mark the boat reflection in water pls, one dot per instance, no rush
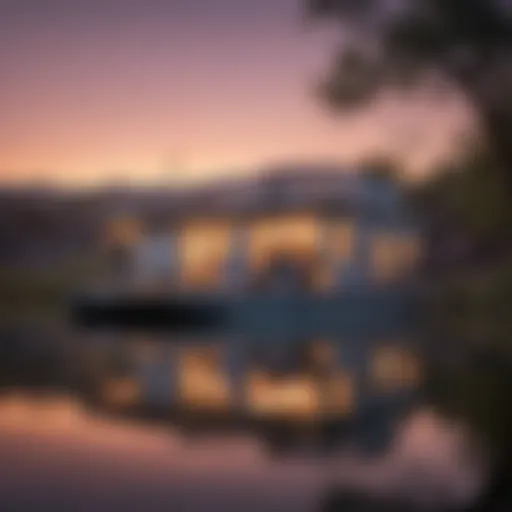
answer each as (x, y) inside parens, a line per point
(294, 306)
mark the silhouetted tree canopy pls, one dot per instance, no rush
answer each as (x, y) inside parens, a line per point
(406, 43)
(469, 193)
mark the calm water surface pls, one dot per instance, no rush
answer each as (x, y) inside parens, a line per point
(56, 455)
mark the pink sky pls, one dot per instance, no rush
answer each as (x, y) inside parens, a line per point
(98, 91)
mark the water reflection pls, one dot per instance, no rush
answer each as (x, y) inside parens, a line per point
(55, 438)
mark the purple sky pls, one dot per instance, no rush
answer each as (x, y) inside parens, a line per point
(145, 89)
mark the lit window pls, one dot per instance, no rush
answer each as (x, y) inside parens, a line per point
(204, 248)
(412, 248)
(323, 277)
(341, 239)
(121, 392)
(125, 231)
(290, 234)
(394, 368)
(202, 380)
(339, 394)
(296, 397)
(393, 256)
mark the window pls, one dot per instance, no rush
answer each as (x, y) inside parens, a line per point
(125, 231)
(290, 234)
(203, 382)
(411, 248)
(294, 396)
(341, 239)
(394, 367)
(393, 256)
(204, 248)
(339, 394)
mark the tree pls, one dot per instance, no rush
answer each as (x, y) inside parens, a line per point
(471, 195)
(405, 43)
(467, 45)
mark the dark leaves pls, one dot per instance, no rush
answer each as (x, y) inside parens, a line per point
(415, 36)
(354, 80)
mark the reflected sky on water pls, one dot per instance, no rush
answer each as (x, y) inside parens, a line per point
(54, 454)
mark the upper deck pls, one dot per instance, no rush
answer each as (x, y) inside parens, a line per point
(323, 233)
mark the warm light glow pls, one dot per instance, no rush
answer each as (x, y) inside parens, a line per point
(86, 95)
(412, 249)
(393, 256)
(122, 392)
(395, 368)
(299, 234)
(293, 397)
(339, 394)
(202, 380)
(125, 231)
(341, 239)
(204, 248)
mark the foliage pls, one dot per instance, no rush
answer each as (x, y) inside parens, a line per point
(476, 391)
(471, 194)
(475, 308)
(41, 294)
(402, 44)
(471, 304)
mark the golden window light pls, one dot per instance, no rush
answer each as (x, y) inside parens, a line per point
(204, 249)
(122, 392)
(339, 394)
(394, 368)
(126, 231)
(393, 256)
(341, 238)
(202, 380)
(296, 397)
(293, 234)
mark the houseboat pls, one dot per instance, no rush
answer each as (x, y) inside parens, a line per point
(286, 300)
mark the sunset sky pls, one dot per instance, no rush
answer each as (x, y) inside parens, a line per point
(94, 91)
